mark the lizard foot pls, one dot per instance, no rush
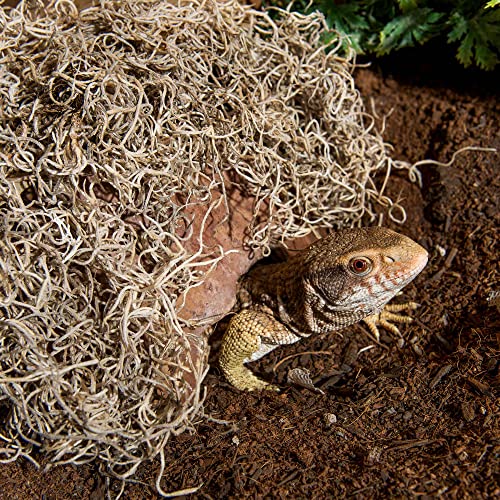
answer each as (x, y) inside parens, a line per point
(243, 342)
(245, 380)
(385, 318)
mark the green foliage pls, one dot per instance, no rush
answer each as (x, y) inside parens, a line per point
(417, 25)
(479, 38)
(381, 26)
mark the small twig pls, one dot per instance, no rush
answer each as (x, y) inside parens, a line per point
(291, 356)
(447, 264)
(407, 445)
(444, 370)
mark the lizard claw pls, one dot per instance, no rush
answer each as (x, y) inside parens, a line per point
(386, 316)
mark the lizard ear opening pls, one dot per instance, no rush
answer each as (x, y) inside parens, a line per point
(328, 284)
(360, 266)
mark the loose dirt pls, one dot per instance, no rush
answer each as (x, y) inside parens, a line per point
(417, 416)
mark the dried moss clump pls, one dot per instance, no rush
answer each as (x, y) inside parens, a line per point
(114, 122)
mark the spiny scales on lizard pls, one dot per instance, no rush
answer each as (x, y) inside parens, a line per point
(339, 280)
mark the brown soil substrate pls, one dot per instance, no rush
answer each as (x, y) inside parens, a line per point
(417, 419)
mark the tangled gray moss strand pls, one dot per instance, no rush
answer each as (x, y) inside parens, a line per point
(113, 121)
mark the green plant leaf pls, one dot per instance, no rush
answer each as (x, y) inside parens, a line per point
(479, 38)
(345, 19)
(406, 5)
(380, 26)
(459, 23)
(416, 26)
(491, 4)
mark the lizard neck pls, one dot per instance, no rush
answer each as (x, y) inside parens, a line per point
(282, 289)
(278, 286)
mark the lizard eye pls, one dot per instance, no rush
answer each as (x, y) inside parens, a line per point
(360, 266)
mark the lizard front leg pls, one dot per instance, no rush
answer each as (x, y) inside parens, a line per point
(250, 335)
(386, 316)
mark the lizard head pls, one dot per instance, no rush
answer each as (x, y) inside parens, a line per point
(353, 273)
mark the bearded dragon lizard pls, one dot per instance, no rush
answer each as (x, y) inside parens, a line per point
(339, 280)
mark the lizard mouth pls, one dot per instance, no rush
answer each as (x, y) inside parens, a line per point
(372, 293)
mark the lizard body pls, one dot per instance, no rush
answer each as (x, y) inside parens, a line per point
(337, 281)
